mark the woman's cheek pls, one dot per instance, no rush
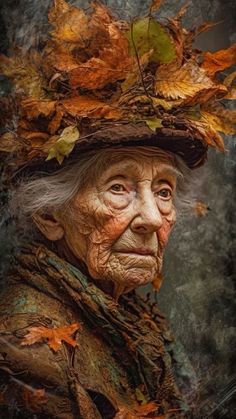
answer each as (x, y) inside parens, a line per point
(116, 201)
(164, 232)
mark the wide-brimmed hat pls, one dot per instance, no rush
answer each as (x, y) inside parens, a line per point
(100, 82)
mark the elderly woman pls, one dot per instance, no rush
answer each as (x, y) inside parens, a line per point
(76, 340)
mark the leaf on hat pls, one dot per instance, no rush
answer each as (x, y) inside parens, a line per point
(205, 95)
(53, 336)
(182, 83)
(229, 83)
(135, 73)
(218, 123)
(33, 108)
(85, 106)
(155, 4)
(147, 34)
(219, 60)
(70, 23)
(24, 69)
(9, 143)
(64, 144)
(207, 134)
(154, 123)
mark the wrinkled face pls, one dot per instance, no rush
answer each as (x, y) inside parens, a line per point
(121, 222)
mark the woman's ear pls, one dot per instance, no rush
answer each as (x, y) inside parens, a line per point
(49, 226)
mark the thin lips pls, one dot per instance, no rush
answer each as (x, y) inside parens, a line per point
(139, 251)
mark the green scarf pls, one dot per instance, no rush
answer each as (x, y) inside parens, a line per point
(134, 328)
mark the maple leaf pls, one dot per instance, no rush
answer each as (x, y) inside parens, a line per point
(54, 336)
(34, 398)
(141, 412)
(181, 83)
(219, 60)
(147, 34)
(64, 144)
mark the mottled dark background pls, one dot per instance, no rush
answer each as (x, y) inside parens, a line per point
(200, 267)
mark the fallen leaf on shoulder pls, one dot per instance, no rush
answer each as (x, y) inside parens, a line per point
(64, 144)
(54, 337)
(140, 412)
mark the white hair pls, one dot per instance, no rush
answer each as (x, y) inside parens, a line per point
(55, 192)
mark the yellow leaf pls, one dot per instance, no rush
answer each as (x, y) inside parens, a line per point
(182, 83)
(64, 144)
(218, 123)
(153, 123)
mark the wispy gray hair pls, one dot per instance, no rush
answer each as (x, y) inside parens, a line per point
(55, 192)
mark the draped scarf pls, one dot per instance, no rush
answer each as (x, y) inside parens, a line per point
(133, 327)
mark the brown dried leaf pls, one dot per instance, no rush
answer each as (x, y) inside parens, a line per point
(141, 412)
(70, 23)
(219, 60)
(9, 143)
(182, 83)
(207, 134)
(155, 5)
(85, 106)
(157, 282)
(54, 337)
(33, 109)
(24, 69)
(218, 123)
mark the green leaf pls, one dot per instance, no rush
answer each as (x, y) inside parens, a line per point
(64, 144)
(153, 123)
(147, 34)
(140, 396)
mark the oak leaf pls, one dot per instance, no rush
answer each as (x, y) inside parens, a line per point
(219, 60)
(64, 144)
(54, 337)
(181, 83)
(147, 34)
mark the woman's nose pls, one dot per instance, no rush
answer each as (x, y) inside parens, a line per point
(148, 218)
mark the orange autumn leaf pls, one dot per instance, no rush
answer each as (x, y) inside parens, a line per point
(157, 282)
(33, 108)
(34, 398)
(207, 134)
(219, 60)
(54, 337)
(155, 4)
(141, 412)
(85, 106)
(70, 23)
(201, 209)
(182, 83)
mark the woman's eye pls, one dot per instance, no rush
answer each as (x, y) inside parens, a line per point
(118, 188)
(165, 193)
